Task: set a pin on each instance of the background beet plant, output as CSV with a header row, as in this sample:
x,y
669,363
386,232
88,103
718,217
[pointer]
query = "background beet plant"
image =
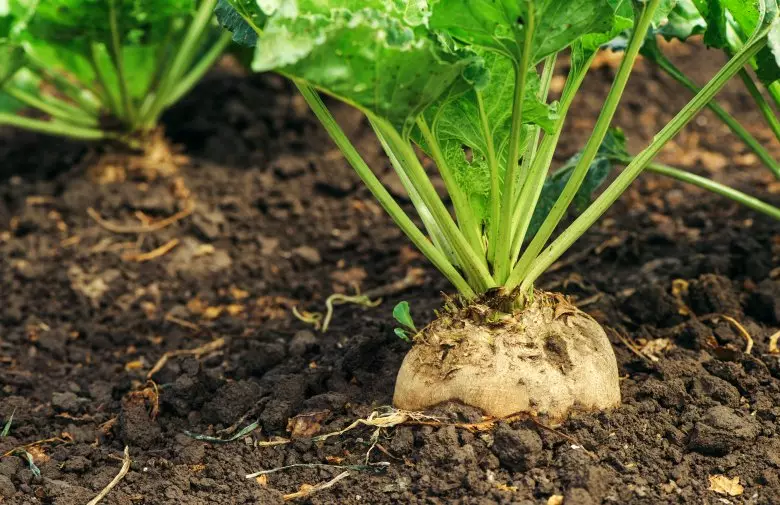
x,y
466,81
101,69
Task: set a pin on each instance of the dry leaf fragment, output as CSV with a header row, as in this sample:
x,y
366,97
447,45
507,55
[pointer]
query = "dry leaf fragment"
x,y
262,480
212,313
238,293
723,485
655,346
306,425
773,349
134,365
234,309
555,499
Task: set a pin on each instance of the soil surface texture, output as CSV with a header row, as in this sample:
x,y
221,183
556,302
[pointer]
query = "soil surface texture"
x,y
140,312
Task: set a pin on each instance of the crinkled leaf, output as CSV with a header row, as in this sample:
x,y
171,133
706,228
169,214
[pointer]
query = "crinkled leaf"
x,y
683,22
499,25
726,17
613,146
624,21
12,56
369,57
243,18
661,13
79,19
768,59
455,122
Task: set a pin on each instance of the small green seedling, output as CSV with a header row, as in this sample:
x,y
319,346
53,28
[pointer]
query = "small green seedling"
x,y
402,314
7,428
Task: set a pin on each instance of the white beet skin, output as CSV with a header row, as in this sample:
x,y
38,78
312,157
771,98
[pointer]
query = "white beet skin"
x,y
548,359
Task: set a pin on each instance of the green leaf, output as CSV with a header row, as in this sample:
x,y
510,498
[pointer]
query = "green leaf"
x,y
370,57
683,22
403,315
65,20
243,432
613,146
455,122
241,17
402,334
624,21
768,59
498,25
726,17
7,428
12,56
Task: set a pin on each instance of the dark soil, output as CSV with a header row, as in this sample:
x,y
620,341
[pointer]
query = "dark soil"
x,y
281,221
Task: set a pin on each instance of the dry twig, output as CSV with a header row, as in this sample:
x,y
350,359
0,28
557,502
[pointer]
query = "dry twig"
x,y
153,254
144,228
631,346
197,352
121,475
742,331
308,490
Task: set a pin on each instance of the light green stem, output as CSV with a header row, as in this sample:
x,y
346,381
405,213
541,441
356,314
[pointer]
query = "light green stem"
x,y
53,127
473,265
529,197
495,187
501,266
200,68
763,105
85,98
632,171
715,187
381,194
56,109
431,226
119,63
774,92
529,177
184,56
109,98
729,120
465,216
603,122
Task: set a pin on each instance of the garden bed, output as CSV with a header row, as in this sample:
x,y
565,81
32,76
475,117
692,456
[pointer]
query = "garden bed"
x,y
267,216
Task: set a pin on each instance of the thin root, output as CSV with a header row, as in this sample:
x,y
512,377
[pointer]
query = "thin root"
x,y
339,299
564,436
182,322
308,490
773,339
312,318
153,254
631,346
197,352
741,329
36,444
144,228
121,475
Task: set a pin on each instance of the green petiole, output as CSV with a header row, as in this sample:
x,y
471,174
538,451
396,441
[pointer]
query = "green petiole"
x,y
380,193
591,147
502,266
632,171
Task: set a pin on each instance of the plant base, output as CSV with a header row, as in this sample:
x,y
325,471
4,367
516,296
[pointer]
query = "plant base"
x,y
156,158
549,358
